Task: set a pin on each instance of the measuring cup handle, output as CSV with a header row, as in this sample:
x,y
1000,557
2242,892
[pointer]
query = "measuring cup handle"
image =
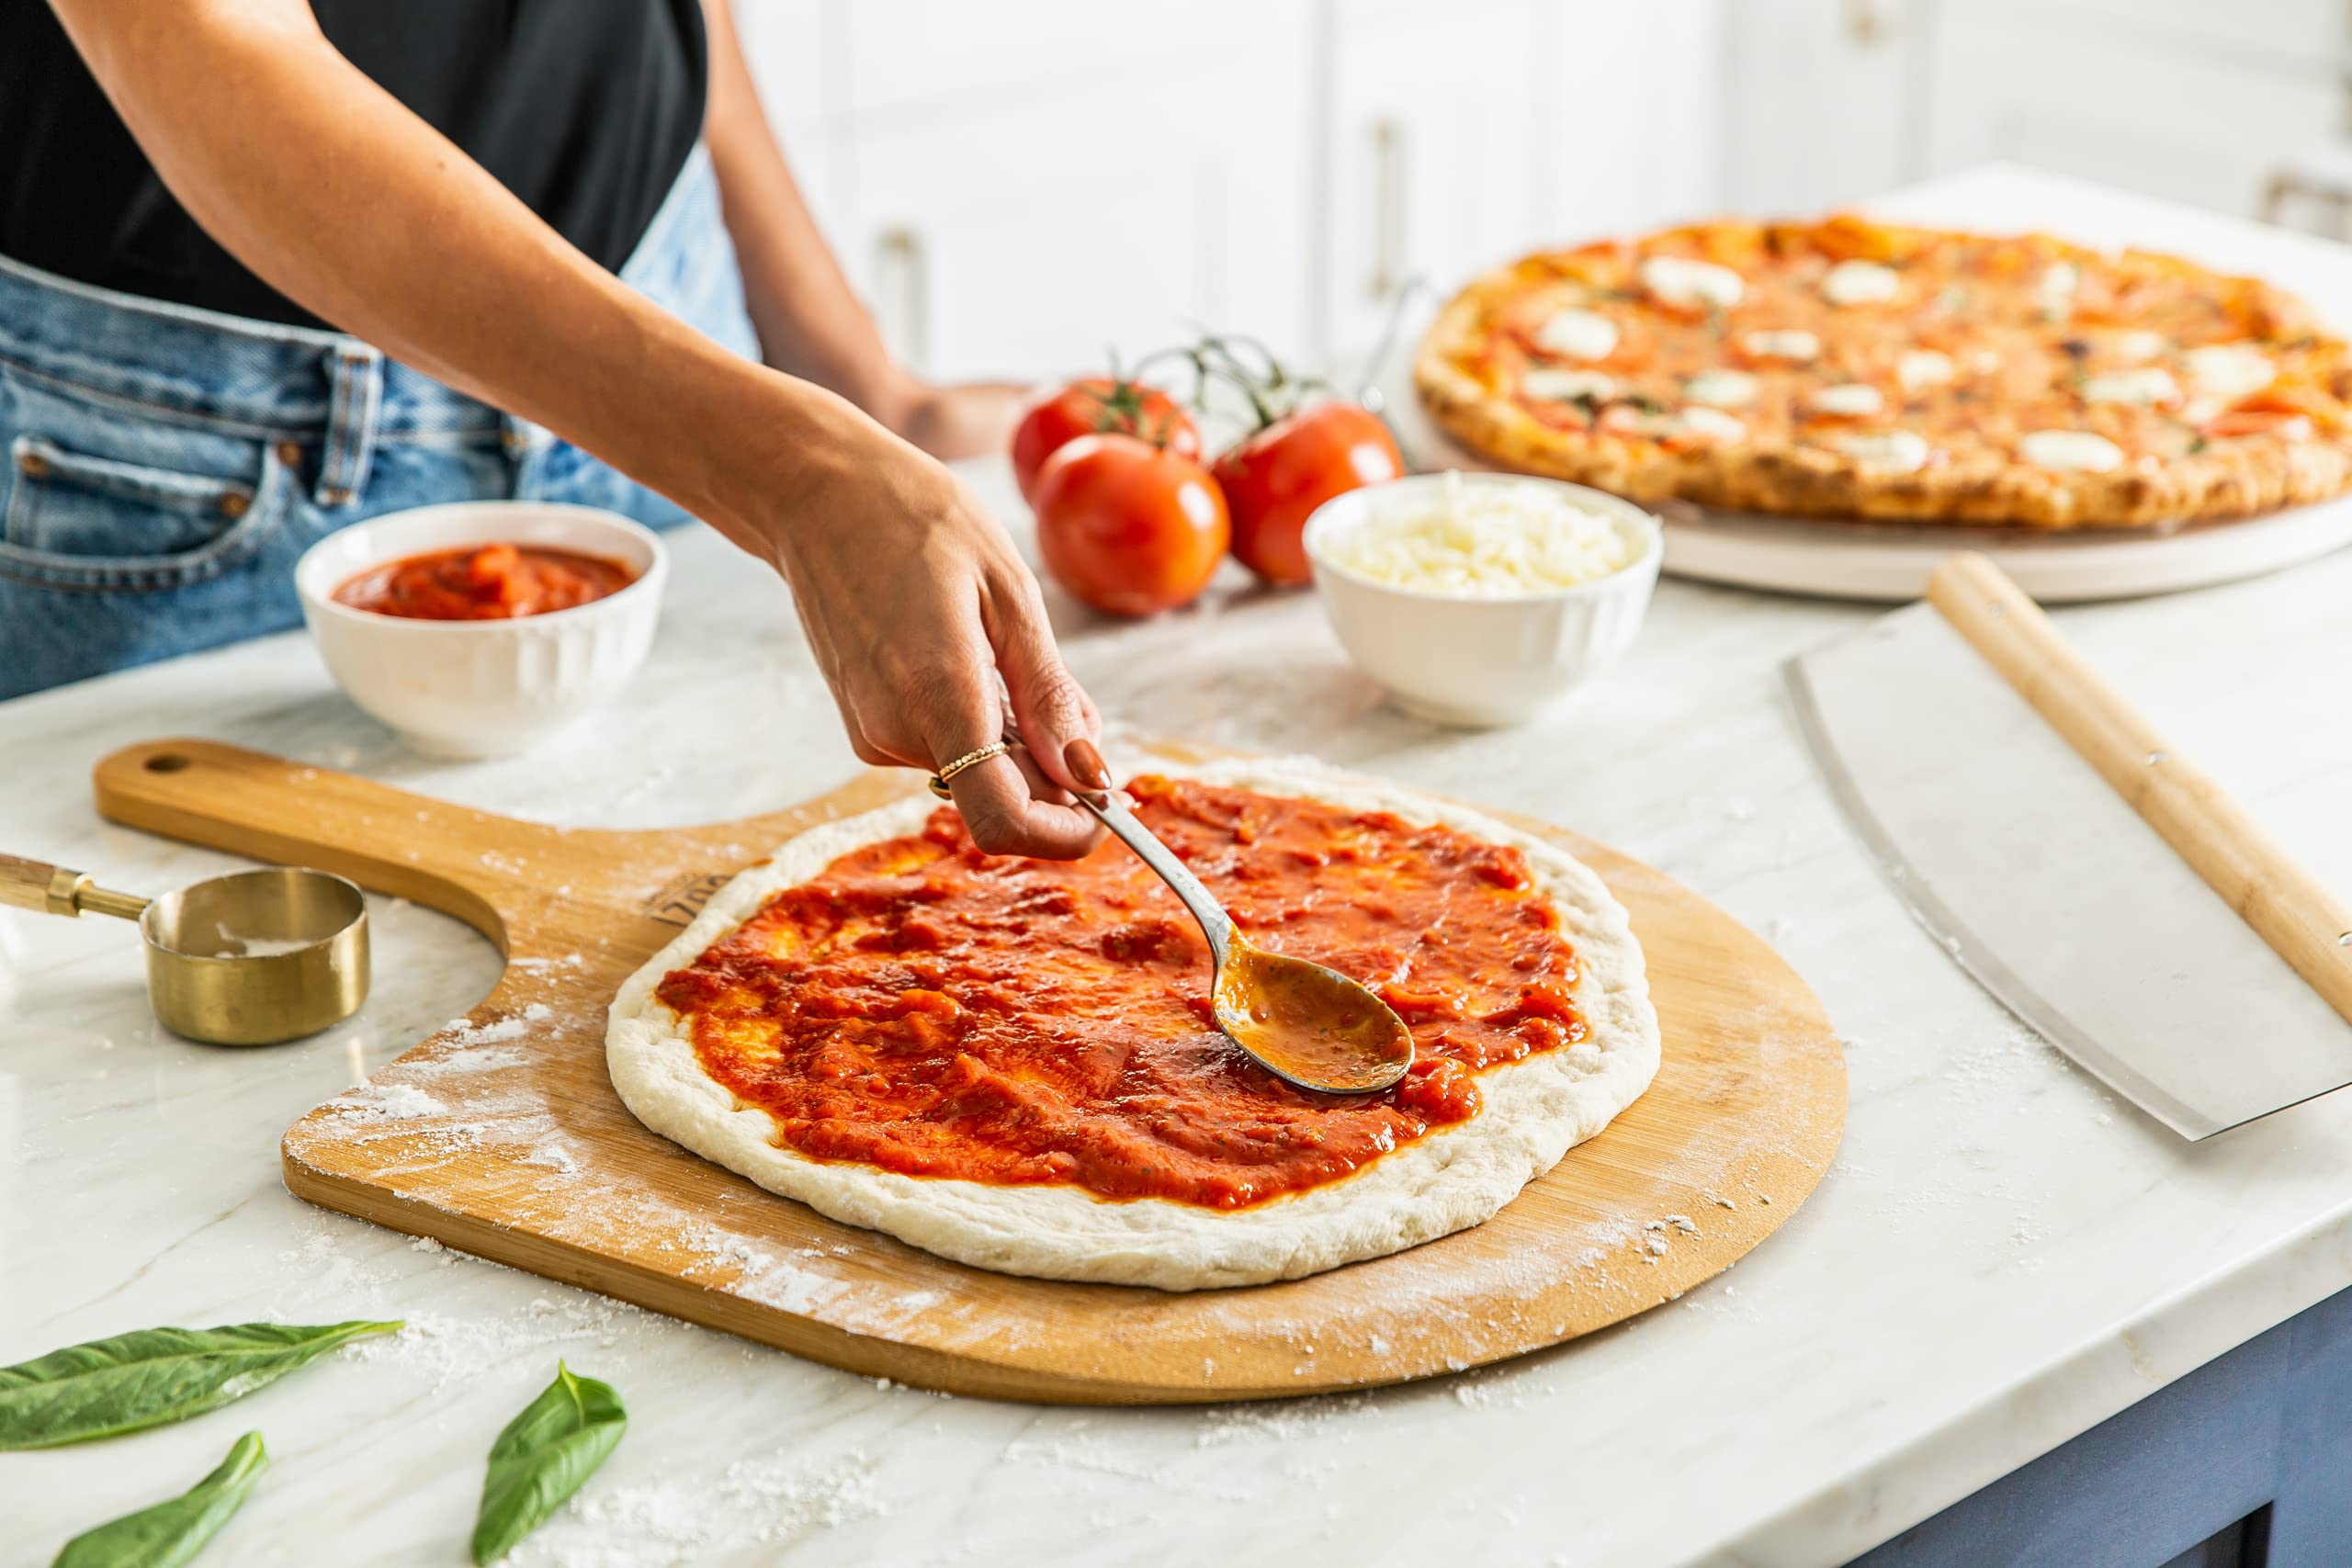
x,y
54,890
37,886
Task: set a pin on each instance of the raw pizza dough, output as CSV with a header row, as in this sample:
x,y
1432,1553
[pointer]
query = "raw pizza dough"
x,y
1535,1110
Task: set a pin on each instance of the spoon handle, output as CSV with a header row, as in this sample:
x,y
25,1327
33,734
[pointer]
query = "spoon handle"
x,y
1215,924
1111,812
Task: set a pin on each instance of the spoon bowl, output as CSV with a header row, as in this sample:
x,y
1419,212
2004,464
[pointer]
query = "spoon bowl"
x,y
1309,1026
1306,1024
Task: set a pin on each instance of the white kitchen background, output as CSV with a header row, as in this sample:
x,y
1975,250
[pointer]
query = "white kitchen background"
x,y
1016,185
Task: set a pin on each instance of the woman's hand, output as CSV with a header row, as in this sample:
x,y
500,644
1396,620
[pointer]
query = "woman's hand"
x,y
915,601
967,419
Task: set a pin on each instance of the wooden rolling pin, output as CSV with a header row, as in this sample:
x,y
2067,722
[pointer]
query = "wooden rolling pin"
x,y
2303,923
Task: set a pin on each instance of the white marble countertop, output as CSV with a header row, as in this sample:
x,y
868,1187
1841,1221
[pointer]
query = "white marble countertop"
x,y
2002,1256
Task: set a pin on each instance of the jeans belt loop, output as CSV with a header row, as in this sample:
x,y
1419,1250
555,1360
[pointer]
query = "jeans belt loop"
x,y
356,381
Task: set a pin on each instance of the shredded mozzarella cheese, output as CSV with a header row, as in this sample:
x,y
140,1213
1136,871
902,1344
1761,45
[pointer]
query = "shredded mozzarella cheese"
x,y
1493,539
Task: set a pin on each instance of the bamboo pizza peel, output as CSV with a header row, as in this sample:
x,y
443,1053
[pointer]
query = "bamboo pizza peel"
x,y
501,1136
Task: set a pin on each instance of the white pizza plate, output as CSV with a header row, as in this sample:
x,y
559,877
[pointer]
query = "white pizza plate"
x,y
1889,562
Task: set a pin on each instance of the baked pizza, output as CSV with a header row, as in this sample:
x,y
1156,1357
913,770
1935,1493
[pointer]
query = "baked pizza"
x,y
1854,368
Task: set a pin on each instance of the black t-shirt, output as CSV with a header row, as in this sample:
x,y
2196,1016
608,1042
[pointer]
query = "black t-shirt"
x,y
586,109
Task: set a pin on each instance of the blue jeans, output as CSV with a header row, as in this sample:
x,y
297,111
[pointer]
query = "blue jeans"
x,y
166,465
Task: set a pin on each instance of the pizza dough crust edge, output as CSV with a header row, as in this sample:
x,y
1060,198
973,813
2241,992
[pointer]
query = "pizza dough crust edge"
x,y
1535,1110
1811,482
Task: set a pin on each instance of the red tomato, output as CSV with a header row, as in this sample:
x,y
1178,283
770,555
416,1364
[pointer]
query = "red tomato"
x,y
1275,479
1095,406
1127,527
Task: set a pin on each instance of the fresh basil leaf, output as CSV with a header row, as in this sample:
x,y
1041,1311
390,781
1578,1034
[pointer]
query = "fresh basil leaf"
x,y
173,1532
543,1457
153,1376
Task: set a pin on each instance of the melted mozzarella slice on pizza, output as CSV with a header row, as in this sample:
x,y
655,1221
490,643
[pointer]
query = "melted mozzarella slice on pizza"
x,y
2229,370
1549,383
1577,335
1887,451
1796,347
1722,389
2146,386
1921,368
1852,399
2056,288
1859,283
2075,451
1687,284
1707,424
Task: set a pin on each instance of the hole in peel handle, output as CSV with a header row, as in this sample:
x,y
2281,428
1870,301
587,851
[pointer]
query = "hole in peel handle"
x,y
286,813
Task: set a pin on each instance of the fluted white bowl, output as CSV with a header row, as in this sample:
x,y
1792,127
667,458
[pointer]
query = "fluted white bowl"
x,y
1480,660
482,688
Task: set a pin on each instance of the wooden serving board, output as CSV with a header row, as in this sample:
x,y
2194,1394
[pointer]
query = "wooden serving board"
x,y
507,1141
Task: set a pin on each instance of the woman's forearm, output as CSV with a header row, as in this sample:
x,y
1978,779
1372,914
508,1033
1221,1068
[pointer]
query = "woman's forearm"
x,y
918,608
336,195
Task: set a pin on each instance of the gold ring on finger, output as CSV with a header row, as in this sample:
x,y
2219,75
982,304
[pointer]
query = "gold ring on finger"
x,y
947,775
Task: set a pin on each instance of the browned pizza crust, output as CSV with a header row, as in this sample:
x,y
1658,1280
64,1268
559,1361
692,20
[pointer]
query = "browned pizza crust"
x,y
2216,478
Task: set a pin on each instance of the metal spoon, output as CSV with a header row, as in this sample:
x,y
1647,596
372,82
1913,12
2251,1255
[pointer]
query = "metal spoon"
x,y
251,958
1308,1025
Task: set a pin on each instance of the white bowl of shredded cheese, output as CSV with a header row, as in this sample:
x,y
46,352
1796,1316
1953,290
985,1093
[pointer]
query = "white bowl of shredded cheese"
x,y
1478,598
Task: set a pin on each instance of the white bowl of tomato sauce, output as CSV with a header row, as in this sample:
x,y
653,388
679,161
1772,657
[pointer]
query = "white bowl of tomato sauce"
x,y
479,628
1477,599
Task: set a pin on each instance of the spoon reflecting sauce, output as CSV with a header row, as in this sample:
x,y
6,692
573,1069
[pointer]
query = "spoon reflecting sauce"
x,y
1309,1025
1305,1024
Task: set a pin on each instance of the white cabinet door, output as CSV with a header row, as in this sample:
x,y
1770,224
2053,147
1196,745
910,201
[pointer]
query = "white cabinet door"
x,y
960,56
1460,136
1822,98
790,46
2081,89
1022,237
1430,142
2297,36
1629,122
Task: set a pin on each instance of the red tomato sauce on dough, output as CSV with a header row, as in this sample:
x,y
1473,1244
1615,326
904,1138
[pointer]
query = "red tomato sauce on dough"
x,y
486,583
927,1008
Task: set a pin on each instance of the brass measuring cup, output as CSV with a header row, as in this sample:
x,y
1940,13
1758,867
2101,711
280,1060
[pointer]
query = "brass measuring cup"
x,y
251,958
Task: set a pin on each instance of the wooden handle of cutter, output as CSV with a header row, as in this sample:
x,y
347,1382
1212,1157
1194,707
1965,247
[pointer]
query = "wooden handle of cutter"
x,y
2301,921
26,885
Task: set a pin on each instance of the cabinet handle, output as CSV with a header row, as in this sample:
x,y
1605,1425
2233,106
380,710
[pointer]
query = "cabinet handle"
x,y
1387,208
900,249
1866,22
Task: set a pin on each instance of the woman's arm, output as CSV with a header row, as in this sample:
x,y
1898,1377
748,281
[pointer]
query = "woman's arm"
x,y
339,197
811,323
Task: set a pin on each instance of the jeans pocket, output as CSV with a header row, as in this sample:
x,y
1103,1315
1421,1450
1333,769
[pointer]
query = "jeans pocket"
x,y
94,523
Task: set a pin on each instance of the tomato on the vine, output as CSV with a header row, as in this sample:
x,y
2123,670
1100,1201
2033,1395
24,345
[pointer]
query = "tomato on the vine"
x,y
1128,527
1275,478
1098,405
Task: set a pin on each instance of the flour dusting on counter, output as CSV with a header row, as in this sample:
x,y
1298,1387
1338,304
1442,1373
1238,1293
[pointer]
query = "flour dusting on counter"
x,y
772,1501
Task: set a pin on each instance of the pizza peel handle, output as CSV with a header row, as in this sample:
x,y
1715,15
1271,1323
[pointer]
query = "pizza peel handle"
x,y
472,864
2301,920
